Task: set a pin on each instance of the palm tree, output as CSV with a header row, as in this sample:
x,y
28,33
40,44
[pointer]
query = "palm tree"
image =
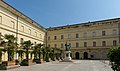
x,y
10,44
20,53
37,52
59,53
47,50
27,45
52,54
2,42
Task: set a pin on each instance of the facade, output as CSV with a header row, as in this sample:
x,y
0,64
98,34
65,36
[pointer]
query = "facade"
x,y
87,40
14,22
90,40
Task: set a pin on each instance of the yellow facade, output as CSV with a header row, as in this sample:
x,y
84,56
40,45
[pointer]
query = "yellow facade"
x,y
90,40
14,22
87,40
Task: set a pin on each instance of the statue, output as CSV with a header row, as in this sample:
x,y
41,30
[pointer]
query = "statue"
x,y
67,53
67,47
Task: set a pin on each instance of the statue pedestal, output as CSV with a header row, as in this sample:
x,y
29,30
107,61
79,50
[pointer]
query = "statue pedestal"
x,y
67,57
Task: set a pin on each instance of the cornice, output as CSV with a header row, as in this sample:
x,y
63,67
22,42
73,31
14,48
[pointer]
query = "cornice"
x,y
21,15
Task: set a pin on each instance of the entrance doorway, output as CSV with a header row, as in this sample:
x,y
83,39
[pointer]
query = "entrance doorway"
x,y
85,55
77,55
94,55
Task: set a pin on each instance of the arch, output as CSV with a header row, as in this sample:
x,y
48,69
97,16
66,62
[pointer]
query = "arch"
x,y
104,55
94,55
77,55
85,55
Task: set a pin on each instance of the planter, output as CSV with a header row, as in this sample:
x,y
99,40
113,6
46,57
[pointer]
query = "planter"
x,y
37,61
30,62
8,63
16,62
3,67
26,62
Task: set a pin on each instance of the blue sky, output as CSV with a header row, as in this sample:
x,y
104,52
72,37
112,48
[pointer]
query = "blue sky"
x,y
52,13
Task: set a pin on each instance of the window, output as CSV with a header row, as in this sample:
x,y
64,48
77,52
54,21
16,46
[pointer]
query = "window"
x,y
68,36
94,34
22,28
0,19
55,45
55,37
77,35
13,24
48,37
94,44
30,31
40,36
114,43
85,44
114,32
85,35
77,44
103,43
21,40
62,45
103,33
62,37
36,34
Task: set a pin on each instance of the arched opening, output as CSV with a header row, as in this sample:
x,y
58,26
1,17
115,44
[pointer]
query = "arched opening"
x,y
94,55
85,55
77,55
104,55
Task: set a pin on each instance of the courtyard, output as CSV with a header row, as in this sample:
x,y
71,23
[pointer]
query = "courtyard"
x,y
76,65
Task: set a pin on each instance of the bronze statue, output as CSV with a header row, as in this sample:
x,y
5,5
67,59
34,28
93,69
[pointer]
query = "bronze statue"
x,y
67,46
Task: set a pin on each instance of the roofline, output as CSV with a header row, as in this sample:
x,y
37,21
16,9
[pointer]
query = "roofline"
x,y
25,16
84,23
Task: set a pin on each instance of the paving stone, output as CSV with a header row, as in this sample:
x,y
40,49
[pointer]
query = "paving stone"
x,y
76,65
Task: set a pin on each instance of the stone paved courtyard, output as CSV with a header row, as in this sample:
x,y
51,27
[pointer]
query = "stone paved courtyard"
x,y
77,65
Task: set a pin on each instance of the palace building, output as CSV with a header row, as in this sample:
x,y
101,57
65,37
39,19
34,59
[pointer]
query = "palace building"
x,y
14,22
90,40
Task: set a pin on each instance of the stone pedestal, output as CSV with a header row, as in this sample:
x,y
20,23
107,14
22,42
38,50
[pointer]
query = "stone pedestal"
x,y
67,57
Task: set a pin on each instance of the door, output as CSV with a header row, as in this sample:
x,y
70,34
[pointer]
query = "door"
x,y
77,55
85,55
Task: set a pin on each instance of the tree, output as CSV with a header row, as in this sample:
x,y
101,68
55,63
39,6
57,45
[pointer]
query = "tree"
x,y
10,44
114,57
58,52
20,53
53,53
37,52
47,51
27,45
2,42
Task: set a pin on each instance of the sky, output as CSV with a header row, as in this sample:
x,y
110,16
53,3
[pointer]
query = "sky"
x,y
53,13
